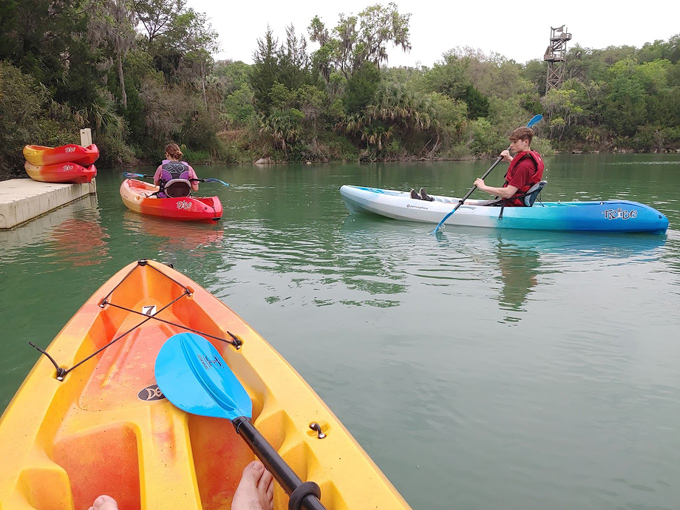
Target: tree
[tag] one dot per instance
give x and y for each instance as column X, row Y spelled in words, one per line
column 184, row 50
column 361, row 88
column 113, row 22
column 287, row 65
column 265, row 71
column 625, row 101
column 360, row 39
column 157, row 16
column 48, row 40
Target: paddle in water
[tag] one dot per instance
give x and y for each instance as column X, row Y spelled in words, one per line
column 130, row 175
column 192, row 375
column 533, row 121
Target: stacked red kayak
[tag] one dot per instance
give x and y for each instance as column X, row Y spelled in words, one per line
column 66, row 164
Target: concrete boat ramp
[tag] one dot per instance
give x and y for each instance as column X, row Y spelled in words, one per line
column 22, row 200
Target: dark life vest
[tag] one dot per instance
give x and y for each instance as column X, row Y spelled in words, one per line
column 516, row 199
column 170, row 171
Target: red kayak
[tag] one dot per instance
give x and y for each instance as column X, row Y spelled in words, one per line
column 62, row 172
column 139, row 196
column 40, row 156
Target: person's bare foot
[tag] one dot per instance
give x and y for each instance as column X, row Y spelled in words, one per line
column 104, row 503
column 255, row 491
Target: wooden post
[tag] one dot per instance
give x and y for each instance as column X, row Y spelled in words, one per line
column 85, row 137
column 86, row 141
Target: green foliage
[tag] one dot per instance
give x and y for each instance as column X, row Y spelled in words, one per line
column 359, row 39
column 478, row 105
column 287, row 66
column 232, row 76
column 28, row 117
column 238, row 106
column 82, row 63
column 625, row 99
column 284, row 127
column 483, row 140
column 361, row 88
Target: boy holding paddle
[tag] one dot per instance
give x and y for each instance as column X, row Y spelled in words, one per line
column 525, row 170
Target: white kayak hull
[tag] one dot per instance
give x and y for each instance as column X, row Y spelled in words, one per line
column 605, row 216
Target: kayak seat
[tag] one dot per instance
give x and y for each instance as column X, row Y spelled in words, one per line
column 533, row 193
column 177, row 188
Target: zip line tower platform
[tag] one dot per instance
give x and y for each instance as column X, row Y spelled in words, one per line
column 556, row 56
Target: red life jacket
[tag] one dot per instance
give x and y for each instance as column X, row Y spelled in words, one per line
column 516, row 199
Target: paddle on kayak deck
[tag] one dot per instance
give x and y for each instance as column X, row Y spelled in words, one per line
column 194, row 377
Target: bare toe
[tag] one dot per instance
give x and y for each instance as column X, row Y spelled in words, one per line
column 253, row 491
column 104, row 503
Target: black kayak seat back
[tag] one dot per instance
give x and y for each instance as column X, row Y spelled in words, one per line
column 177, row 188
column 532, row 193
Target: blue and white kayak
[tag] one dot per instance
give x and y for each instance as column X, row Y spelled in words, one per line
column 605, row 216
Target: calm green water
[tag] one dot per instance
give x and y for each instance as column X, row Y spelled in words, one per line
column 481, row 370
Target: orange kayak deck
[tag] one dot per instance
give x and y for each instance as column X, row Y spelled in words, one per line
column 40, row 155
column 62, row 172
column 107, row 429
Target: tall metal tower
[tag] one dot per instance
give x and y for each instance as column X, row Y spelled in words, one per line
column 556, row 56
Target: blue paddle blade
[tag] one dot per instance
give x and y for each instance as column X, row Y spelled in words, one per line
column 212, row 179
column 194, row 377
column 534, row 120
column 130, row 174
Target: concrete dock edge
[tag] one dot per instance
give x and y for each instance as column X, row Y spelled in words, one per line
column 22, row 200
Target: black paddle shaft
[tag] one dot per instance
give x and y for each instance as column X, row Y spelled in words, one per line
column 306, row 493
column 472, row 190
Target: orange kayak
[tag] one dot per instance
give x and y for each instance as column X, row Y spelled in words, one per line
column 62, row 172
column 40, row 156
column 100, row 425
column 139, row 196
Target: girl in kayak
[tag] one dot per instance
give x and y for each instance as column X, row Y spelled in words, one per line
column 255, row 491
column 525, row 170
column 174, row 169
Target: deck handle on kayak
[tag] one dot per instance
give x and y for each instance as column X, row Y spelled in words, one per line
column 317, row 428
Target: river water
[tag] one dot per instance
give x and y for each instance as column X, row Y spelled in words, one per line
column 480, row 370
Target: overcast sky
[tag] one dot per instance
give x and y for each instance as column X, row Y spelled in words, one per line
column 492, row 25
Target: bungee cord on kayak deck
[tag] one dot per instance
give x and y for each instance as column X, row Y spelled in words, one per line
column 62, row 372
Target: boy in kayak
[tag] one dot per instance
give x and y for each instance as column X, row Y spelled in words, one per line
column 174, row 169
column 255, row 491
column 525, row 170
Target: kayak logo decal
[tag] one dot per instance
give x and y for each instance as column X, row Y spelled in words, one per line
column 410, row 206
column 68, row 150
column 210, row 363
column 614, row 214
column 182, row 204
column 67, row 167
column 150, row 393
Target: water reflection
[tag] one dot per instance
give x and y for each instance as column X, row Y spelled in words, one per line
column 175, row 235
column 519, row 260
column 73, row 233
column 519, row 275
column 81, row 242
column 523, row 257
